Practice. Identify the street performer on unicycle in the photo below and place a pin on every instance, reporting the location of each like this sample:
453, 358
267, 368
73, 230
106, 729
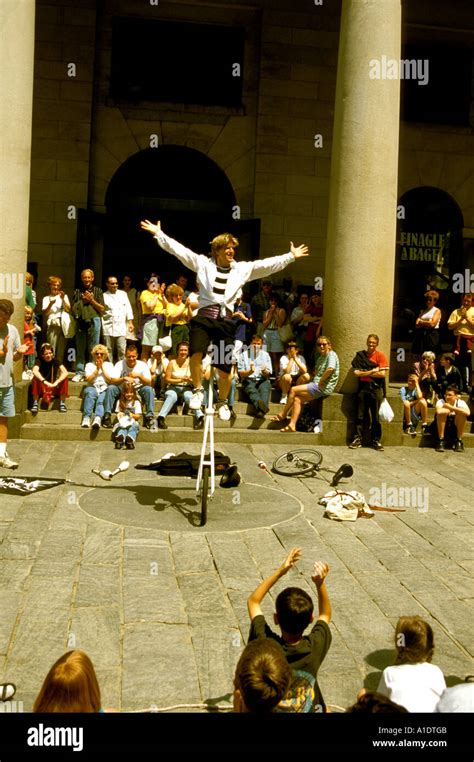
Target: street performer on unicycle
220, 281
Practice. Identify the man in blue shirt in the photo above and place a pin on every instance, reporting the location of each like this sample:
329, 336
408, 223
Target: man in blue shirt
255, 369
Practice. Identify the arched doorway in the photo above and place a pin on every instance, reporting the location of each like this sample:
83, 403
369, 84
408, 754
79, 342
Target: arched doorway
183, 188
429, 252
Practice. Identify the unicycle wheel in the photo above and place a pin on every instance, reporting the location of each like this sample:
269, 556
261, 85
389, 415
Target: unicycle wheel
297, 462
204, 494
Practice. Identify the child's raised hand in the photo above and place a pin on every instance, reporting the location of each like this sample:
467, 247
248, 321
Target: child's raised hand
293, 556
320, 571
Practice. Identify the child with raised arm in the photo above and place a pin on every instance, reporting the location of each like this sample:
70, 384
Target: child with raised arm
294, 612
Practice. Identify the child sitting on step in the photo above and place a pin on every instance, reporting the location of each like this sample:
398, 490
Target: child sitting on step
129, 410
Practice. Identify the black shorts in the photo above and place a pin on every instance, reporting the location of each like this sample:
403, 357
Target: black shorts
221, 333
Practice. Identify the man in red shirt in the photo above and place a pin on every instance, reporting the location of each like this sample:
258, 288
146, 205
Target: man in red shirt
370, 367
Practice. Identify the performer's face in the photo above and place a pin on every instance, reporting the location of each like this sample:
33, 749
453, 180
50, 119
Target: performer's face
225, 255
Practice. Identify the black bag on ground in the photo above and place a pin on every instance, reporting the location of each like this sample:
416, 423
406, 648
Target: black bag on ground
185, 464
309, 415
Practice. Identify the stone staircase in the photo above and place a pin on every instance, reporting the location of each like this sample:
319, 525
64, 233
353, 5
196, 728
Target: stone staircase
337, 412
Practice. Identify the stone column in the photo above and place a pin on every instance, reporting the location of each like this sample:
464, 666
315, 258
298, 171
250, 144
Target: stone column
358, 288
17, 42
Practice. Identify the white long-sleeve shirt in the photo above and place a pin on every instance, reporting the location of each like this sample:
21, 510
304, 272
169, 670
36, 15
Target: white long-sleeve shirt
118, 311
206, 269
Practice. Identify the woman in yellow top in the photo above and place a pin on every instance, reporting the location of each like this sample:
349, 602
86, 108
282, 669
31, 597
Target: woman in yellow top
153, 313
177, 316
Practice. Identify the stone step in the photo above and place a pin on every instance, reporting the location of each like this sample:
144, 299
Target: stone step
246, 430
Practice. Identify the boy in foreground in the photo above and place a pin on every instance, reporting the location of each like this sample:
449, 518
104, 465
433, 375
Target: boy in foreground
294, 612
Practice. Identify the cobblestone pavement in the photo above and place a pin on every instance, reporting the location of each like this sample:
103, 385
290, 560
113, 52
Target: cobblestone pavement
122, 571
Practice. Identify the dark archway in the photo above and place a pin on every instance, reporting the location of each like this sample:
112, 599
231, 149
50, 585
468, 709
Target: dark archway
429, 252
183, 188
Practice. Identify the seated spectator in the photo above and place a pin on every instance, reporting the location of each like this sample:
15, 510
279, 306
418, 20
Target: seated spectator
157, 364
294, 612
371, 702
50, 379
177, 316
30, 329
448, 375
461, 322
179, 385
98, 375
274, 319
326, 376
52, 307
426, 334
262, 677
70, 686
369, 366
413, 682
255, 369
293, 370
415, 407
129, 411
137, 371
425, 370
451, 416
153, 313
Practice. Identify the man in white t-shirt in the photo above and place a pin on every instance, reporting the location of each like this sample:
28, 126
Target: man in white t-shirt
118, 316
131, 369
451, 414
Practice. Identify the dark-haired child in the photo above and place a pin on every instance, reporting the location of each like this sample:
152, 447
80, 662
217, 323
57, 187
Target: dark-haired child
262, 677
413, 682
294, 612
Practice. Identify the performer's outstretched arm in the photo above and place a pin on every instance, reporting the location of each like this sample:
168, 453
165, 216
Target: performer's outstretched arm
186, 256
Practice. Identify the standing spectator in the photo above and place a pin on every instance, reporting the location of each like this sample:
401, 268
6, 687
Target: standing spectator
129, 411
137, 371
30, 329
133, 298
293, 370
242, 318
153, 314
314, 326
117, 319
255, 368
413, 682
87, 307
427, 325
273, 319
260, 304
451, 416
370, 367
415, 406
11, 350
49, 380
182, 282
294, 612
99, 374
461, 322
299, 320
52, 307
326, 376
30, 295
177, 316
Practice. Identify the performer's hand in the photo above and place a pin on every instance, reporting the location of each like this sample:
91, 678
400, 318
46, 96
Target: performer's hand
150, 227
299, 251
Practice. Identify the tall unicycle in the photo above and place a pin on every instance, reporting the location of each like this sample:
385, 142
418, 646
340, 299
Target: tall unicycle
206, 472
